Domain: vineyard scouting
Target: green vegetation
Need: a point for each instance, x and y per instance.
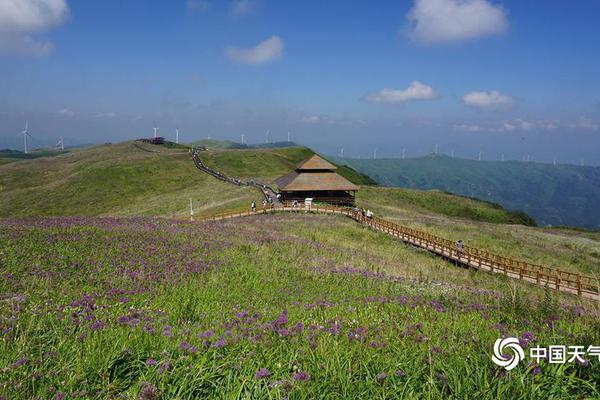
(442, 203)
(551, 194)
(131, 178)
(214, 144)
(266, 307)
(7, 155)
(483, 225)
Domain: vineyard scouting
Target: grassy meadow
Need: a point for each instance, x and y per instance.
(280, 306)
(482, 225)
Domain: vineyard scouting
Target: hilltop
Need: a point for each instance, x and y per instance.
(134, 178)
(552, 194)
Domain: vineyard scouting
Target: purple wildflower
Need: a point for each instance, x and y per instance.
(282, 319)
(167, 331)
(535, 370)
(165, 366)
(528, 337)
(184, 346)
(301, 376)
(151, 362)
(148, 392)
(20, 362)
(219, 343)
(262, 373)
(399, 373)
(299, 327)
(206, 334)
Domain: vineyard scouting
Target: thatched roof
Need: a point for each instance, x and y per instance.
(315, 163)
(314, 174)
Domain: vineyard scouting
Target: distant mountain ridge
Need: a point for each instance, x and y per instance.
(551, 194)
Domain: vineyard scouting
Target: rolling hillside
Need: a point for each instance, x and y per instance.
(267, 306)
(133, 179)
(552, 194)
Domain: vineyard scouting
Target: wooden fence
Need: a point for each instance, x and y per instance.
(570, 282)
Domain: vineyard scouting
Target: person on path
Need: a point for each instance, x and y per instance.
(253, 206)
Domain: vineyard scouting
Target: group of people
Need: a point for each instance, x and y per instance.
(266, 203)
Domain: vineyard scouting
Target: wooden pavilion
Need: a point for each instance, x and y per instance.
(316, 178)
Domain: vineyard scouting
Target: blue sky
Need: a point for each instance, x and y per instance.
(506, 77)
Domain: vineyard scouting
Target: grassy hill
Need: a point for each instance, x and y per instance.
(134, 178)
(551, 194)
(228, 144)
(296, 306)
(266, 307)
(124, 179)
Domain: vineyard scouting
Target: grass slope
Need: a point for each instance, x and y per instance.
(125, 179)
(266, 308)
(551, 194)
(132, 179)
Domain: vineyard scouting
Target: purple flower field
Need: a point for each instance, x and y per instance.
(259, 308)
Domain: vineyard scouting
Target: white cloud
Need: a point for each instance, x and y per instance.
(244, 7)
(109, 114)
(311, 119)
(516, 125)
(470, 128)
(268, 50)
(20, 20)
(493, 100)
(65, 112)
(586, 124)
(197, 5)
(445, 21)
(416, 91)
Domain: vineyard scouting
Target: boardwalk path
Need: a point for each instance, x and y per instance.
(564, 281)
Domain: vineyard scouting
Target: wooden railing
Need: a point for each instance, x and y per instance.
(570, 282)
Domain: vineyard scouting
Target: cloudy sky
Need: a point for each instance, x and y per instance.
(471, 76)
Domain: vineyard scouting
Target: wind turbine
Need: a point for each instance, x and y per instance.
(437, 148)
(452, 153)
(342, 152)
(243, 139)
(375, 154)
(403, 152)
(289, 139)
(502, 157)
(155, 130)
(26, 133)
(479, 158)
(60, 144)
(176, 135)
(267, 136)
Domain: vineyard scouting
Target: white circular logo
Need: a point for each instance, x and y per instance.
(502, 359)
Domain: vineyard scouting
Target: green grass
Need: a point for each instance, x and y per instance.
(441, 203)
(125, 179)
(482, 225)
(99, 298)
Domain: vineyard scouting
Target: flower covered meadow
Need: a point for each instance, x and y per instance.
(261, 308)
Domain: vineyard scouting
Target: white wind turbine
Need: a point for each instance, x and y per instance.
(177, 135)
(156, 128)
(60, 144)
(25, 134)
